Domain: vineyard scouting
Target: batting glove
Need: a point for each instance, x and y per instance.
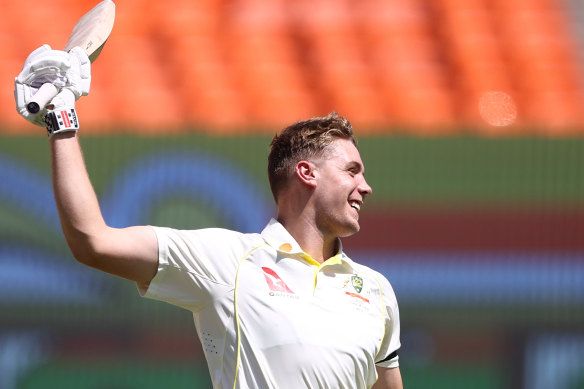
(65, 70)
(79, 74)
(63, 116)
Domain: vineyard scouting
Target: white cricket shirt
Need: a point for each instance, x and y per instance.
(270, 316)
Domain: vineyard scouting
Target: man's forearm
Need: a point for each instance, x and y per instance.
(76, 200)
(389, 378)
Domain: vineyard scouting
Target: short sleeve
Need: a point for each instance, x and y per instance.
(388, 354)
(194, 266)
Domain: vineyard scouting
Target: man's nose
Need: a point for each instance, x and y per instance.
(364, 189)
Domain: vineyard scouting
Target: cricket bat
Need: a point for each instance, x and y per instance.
(90, 33)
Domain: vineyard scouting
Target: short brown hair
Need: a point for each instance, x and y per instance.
(302, 141)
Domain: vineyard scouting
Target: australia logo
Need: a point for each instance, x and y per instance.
(357, 283)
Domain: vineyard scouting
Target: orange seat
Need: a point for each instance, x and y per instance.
(142, 97)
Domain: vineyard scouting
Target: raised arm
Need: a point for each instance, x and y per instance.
(130, 253)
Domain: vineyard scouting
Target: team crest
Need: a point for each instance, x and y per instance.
(357, 283)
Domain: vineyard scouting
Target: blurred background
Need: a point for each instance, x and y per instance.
(470, 119)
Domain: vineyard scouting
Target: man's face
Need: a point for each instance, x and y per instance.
(340, 190)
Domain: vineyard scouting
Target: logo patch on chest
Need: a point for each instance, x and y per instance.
(274, 281)
(357, 283)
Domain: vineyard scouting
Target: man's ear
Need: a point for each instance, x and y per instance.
(306, 173)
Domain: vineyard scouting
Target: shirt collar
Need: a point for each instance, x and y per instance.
(276, 235)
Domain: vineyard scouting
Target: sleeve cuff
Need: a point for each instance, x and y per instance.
(392, 360)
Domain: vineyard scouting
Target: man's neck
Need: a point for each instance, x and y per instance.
(311, 240)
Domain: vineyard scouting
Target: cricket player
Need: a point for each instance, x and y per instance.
(282, 308)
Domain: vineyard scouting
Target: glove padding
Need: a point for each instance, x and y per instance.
(79, 74)
(66, 70)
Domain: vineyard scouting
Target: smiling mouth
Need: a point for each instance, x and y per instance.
(355, 205)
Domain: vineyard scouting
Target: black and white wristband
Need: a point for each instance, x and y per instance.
(61, 120)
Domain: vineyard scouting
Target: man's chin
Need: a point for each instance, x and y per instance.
(349, 230)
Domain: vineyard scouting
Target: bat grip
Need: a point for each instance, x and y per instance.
(43, 96)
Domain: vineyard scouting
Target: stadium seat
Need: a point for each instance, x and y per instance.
(146, 99)
(403, 59)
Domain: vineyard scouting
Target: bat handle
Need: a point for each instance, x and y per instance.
(43, 96)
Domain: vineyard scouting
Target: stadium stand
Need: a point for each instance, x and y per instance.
(404, 60)
(250, 65)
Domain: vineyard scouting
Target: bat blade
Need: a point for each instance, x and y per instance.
(90, 33)
(92, 30)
